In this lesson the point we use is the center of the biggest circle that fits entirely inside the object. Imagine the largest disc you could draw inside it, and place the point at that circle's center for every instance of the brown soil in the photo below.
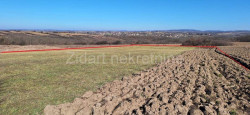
(240, 53)
(196, 82)
(246, 44)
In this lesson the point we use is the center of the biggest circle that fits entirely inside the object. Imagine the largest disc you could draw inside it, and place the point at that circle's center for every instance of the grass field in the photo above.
(30, 81)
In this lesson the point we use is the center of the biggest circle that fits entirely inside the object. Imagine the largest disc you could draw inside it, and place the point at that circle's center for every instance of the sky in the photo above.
(125, 14)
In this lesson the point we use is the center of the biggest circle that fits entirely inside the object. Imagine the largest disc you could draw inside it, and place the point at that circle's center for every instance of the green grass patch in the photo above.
(220, 75)
(30, 81)
(248, 76)
(233, 112)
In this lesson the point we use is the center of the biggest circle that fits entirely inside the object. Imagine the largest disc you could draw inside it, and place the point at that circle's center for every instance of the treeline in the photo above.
(245, 38)
(26, 39)
(215, 41)
(205, 42)
(56, 39)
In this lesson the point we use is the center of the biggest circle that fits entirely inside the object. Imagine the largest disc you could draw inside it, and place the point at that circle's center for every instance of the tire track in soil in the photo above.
(196, 82)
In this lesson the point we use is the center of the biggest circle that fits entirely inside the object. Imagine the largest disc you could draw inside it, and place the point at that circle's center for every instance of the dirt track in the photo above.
(196, 82)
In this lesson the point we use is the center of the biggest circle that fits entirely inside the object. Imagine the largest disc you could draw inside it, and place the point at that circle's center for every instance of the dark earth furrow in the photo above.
(236, 58)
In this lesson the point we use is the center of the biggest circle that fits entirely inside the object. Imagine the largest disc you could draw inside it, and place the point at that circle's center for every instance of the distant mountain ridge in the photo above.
(171, 30)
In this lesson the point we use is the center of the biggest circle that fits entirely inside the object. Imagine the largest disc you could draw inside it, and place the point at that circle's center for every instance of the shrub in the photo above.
(101, 42)
(1, 41)
(22, 42)
(116, 42)
(205, 42)
(80, 43)
(243, 38)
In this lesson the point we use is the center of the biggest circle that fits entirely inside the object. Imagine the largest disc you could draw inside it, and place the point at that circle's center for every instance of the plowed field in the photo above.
(201, 81)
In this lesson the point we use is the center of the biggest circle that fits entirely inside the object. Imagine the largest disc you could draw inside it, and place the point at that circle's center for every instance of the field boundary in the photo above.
(159, 45)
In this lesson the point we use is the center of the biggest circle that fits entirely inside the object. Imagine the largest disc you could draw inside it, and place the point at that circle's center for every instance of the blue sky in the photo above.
(125, 14)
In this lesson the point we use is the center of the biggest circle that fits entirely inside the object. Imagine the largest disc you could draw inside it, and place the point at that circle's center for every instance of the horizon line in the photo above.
(119, 30)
